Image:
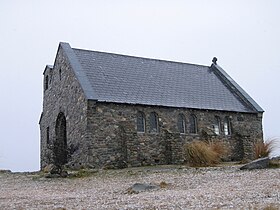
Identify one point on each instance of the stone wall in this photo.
(116, 142)
(63, 95)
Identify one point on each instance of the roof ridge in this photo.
(138, 57)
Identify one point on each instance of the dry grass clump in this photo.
(201, 153)
(82, 173)
(263, 149)
(163, 184)
(271, 207)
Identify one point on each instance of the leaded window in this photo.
(181, 123)
(140, 122)
(193, 124)
(153, 122)
(227, 126)
(217, 125)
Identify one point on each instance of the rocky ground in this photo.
(224, 187)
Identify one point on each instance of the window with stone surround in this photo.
(60, 74)
(227, 126)
(48, 135)
(46, 82)
(181, 123)
(141, 122)
(217, 125)
(153, 122)
(193, 124)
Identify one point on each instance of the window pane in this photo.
(153, 122)
(227, 126)
(193, 125)
(181, 123)
(140, 122)
(217, 125)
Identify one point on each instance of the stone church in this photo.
(110, 110)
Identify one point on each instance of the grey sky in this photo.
(244, 35)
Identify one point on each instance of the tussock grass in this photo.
(82, 173)
(270, 207)
(264, 149)
(201, 153)
(163, 184)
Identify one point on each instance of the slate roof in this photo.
(108, 77)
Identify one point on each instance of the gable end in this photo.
(77, 68)
(235, 88)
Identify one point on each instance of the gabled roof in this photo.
(108, 77)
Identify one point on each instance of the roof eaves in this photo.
(236, 88)
(174, 106)
(77, 68)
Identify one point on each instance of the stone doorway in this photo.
(60, 143)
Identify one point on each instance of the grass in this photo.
(82, 173)
(270, 207)
(264, 149)
(202, 154)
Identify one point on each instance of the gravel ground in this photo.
(187, 188)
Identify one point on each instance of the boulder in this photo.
(49, 168)
(139, 187)
(256, 164)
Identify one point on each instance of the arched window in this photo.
(217, 125)
(140, 122)
(181, 123)
(227, 126)
(153, 122)
(46, 82)
(193, 124)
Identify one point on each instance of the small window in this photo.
(46, 82)
(153, 122)
(48, 135)
(227, 126)
(181, 123)
(140, 122)
(60, 74)
(217, 125)
(193, 124)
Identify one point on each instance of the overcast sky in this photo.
(244, 35)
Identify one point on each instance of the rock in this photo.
(48, 168)
(55, 170)
(64, 174)
(49, 175)
(138, 187)
(257, 164)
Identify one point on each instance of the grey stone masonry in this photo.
(64, 95)
(116, 142)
